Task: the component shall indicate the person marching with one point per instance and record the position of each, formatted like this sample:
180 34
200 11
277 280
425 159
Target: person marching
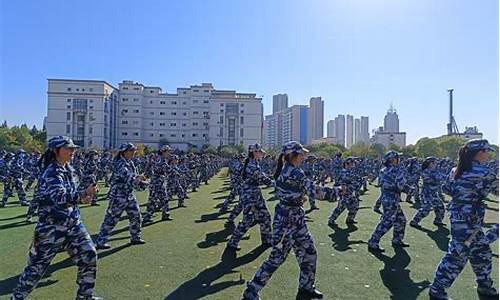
157 188
392 183
432 180
254 205
59 225
348 197
121 197
289 225
469 185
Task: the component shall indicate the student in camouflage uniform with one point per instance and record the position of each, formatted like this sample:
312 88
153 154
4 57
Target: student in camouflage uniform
469 185
289 225
90 171
121 197
348 197
59 225
254 206
392 183
413 171
432 180
5 177
235 168
16 172
157 188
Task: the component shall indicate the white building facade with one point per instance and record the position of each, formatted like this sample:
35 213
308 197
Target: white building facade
105 116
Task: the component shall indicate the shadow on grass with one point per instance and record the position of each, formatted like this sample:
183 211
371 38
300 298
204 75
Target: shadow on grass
340 238
201 285
13 218
210 217
215 238
14 225
440 236
396 277
8 284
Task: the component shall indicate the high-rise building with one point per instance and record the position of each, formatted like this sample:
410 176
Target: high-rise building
349 131
330 128
96 114
357 131
391 120
340 130
364 130
280 102
315 119
299 115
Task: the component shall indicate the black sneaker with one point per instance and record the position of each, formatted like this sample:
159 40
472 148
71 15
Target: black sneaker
95 204
439 224
137 242
166 218
103 246
145 221
415 225
332 225
306 295
233 248
351 222
377 210
490 292
438 297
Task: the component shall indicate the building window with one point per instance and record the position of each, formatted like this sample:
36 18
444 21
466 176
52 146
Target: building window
196 91
222 111
195 123
151 102
125 88
241 120
91 101
124 122
69 100
205 113
151 92
205 124
221 120
195 101
195 112
162 102
183 135
151 112
174 102
77 90
69 89
136 89
173 113
69 106
91 130
162 124
173 124
91 89
91 107
125 111
242 111
136 133
184 93
184 114
135 122
206 91
68 116
241 132
184 124
161 134
173 135
222 105
162 113
194 135
124 133
136 99
124 99
184 103
152 124
83 90
242 105
68 129
136 111
151 135
205 101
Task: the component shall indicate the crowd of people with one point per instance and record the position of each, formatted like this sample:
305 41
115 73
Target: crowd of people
66 179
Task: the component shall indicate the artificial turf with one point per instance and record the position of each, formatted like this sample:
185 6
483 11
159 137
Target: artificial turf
183 258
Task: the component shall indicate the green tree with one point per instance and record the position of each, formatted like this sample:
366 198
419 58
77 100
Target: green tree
427 147
450 145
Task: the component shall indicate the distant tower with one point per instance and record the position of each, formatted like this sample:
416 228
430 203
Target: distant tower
452 125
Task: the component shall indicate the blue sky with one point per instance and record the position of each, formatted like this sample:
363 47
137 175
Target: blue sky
359 55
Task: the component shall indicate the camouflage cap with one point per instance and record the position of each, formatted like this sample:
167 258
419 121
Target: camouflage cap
165 148
431 159
479 144
391 154
61 141
256 147
293 147
127 146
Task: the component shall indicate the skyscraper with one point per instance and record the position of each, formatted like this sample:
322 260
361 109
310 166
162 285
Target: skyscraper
315 119
330 128
280 102
364 130
349 131
391 120
357 131
340 129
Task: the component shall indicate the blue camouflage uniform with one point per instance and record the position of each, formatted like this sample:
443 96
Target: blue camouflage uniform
392 182
348 181
432 180
158 190
289 227
468 242
59 228
254 206
121 198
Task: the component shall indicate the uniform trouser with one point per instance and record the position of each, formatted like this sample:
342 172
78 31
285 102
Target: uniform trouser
32 208
478 253
430 200
17 183
349 202
392 216
235 212
289 232
157 194
49 240
235 190
414 192
117 205
253 214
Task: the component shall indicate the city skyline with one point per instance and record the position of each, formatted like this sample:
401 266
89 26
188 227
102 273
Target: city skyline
358 56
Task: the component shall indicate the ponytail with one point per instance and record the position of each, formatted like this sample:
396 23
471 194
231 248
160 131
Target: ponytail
48 157
465 157
279 166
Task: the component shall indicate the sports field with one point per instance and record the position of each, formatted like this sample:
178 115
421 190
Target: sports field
183 258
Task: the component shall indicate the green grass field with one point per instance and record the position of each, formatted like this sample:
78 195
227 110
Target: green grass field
182 258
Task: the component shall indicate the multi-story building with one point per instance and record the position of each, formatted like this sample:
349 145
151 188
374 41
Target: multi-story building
357 131
280 102
330 128
315 119
102 116
340 130
364 130
390 134
349 131
286 125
